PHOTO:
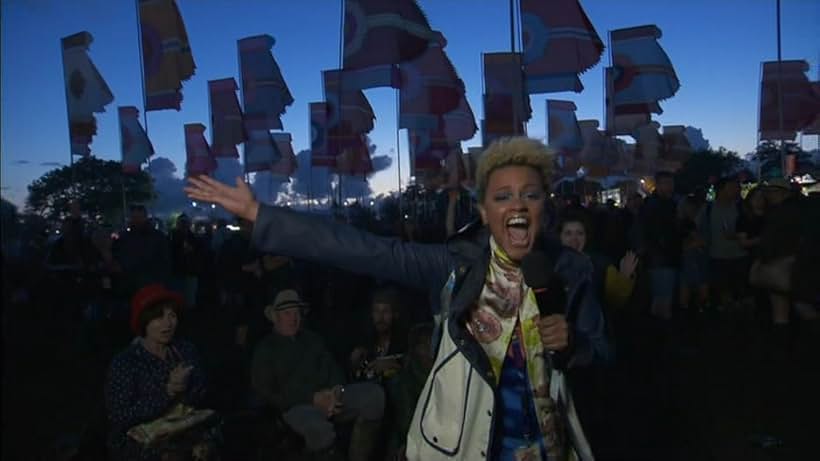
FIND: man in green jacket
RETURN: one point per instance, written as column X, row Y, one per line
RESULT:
column 293, row 371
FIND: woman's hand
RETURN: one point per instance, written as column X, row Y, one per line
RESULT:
column 238, row 200
column 178, row 380
column 554, row 332
column 628, row 264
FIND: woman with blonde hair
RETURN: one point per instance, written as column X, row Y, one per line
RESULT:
column 495, row 391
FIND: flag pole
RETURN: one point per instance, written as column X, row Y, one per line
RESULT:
column 512, row 50
column 248, row 139
column 339, row 85
column 68, row 116
column 398, row 149
column 142, row 69
column 780, row 97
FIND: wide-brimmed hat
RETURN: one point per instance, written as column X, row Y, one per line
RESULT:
column 151, row 295
column 285, row 299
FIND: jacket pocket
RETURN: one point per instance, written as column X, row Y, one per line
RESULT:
column 445, row 406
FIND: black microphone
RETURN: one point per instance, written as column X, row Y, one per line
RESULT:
column 549, row 293
column 546, row 285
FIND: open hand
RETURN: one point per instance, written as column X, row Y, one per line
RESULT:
column 628, row 264
column 238, row 200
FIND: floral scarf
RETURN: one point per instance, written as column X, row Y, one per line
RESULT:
column 506, row 303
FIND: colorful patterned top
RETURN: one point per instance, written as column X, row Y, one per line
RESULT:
column 505, row 314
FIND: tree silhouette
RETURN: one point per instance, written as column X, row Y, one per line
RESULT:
column 99, row 185
column 705, row 166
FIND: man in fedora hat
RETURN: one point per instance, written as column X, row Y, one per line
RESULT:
column 293, row 370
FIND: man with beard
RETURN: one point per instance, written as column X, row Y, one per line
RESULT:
column 380, row 356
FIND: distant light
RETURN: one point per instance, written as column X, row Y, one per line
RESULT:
column 213, row 205
column 643, row 181
column 232, row 227
column 372, row 203
column 193, row 204
column 57, row 231
column 128, row 229
column 406, row 216
column 552, row 195
column 288, row 203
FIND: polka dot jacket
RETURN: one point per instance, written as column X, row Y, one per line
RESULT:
column 135, row 392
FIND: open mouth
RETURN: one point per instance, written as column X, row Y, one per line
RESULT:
column 518, row 231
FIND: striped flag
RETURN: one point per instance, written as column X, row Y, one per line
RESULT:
column 564, row 134
column 261, row 152
column 265, row 95
column 85, row 90
column 227, row 129
column 642, row 71
column 135, row 146
column 801, row 100
column 286, row 165
column 199, row 159
column 559, row 43
column 430, row 88
column 383, row 33
column 167, row 60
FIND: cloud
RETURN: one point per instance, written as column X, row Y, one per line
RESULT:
column 170, row 195
column 20, row 162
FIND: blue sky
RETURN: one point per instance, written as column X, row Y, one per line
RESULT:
column 715, row 46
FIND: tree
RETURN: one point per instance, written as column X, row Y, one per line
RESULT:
column 99, row 185
column 705, row 166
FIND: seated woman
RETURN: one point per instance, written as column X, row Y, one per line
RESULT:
column 152, row 375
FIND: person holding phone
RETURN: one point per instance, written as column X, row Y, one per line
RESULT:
column 153, row 374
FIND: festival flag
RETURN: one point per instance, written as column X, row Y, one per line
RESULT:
column 649, row 142
column 261, row 152
column 379, row 33
column 459, row 124
column 135, row 146
column 676, row 145
column 286, row 165
column 265, row 95
column 430, row 88
column 801, row 101
column 319, row 153
column 814, row 127
column 454, row 166
column 427, row 151
column 559, row 43
column 642, row 71
column 227, row 129
column 600, row 152
column 506, row 106
column 85, row 90
column 564, row 134
column 353, row 157
column 346, row 106
column 199, row 159
column 166, row 53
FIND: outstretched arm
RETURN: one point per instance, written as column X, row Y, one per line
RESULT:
column 312, row 238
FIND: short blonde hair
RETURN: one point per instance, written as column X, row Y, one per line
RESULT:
column 515, row 151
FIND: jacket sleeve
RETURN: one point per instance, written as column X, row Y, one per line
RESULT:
column 312, row 238
column 589, row 342
column 617, row 287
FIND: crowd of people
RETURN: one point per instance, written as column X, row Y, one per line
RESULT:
column 333, row 331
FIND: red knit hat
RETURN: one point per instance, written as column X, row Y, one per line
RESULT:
column 148, row 296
